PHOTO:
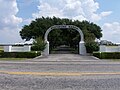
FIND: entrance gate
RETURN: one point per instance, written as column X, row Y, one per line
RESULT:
column 82, row 48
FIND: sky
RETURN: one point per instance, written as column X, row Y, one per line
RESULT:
column 14, row 14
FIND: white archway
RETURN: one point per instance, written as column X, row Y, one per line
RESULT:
column 82, row 48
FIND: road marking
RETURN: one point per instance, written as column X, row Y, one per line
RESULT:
column 60, row 73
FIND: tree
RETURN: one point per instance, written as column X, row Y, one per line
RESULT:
column 70, row 37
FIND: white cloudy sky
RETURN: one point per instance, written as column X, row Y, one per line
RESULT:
column 16, row 13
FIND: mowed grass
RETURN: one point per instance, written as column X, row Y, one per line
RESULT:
column 13, row 59
column 1, row 48
column 116, row 60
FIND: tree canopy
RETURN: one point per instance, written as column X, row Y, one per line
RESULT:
column 39, row 26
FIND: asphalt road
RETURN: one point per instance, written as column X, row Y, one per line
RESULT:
column 60, row 72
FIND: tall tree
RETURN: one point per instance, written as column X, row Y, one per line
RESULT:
column 38, row 27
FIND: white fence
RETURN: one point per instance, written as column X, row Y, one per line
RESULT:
column 104, row 48
column 25, row 48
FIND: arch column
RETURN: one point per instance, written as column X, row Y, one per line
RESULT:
column 46, row 50
column 82, row 48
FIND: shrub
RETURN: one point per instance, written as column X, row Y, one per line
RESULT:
column 107, row 55
column 38, row 44
column 92, row 46
column 19, row 54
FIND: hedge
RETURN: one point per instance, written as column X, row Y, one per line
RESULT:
column 19, row 54
column 92, row 46
column 107, row 55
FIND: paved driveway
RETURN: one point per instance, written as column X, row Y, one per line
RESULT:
column 65, row 57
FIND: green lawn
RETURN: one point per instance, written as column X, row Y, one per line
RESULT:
column 1, row 47
column 116, row 60
column 13, row 59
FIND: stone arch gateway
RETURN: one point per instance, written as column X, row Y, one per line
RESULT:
column 82, row 48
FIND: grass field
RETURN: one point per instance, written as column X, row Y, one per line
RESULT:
column 13, row 59
column 1, row 47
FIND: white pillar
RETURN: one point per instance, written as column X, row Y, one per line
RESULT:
column 46, row 50
column 7, row 48
column 82, row 48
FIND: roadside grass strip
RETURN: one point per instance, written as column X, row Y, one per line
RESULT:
column 14, row 59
